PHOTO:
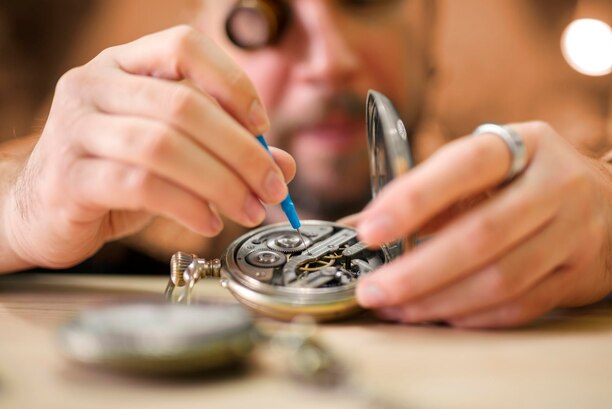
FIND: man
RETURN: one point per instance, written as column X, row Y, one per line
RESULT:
column 164, row 125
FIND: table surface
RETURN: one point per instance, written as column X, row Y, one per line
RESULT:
column 563, row 360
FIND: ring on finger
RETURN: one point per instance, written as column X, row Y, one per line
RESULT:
column 515, row 144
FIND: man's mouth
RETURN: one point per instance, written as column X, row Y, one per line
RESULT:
column 336, row 134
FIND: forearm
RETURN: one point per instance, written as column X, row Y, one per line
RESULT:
column 13, row 155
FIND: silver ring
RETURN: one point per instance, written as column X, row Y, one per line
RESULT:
column 515, row 144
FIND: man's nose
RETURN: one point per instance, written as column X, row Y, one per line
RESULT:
column 327, row 55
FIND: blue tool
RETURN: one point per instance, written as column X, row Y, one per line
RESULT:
column 287, row 203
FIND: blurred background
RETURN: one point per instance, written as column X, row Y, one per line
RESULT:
column 499, row 61
column 503, row 61
column 494, row 61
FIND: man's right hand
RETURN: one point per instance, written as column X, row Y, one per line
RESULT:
column 160, row 126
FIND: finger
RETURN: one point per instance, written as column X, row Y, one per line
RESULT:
column 539, row 300
column 100, row 185
column 456, row 210
column 191, row 113
column 461, row 169
column 285, row 162
column 507, row 278
column 160, row 149
column 465, row 245
column 351, row 220
column 184, row 53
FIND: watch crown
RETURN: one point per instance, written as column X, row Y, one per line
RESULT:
column 185, row 271
column 179, row 262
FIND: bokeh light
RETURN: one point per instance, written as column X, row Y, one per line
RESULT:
column 587, row 47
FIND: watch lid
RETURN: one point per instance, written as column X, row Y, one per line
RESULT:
column 389, row 152
column 389, row 147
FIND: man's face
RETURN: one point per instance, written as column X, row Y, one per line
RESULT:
column 314, row 83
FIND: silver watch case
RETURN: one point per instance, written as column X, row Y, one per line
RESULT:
column 267, row 292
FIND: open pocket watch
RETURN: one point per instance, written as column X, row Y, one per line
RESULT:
column 274, row 273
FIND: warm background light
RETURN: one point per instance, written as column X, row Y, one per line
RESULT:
column 587, row 46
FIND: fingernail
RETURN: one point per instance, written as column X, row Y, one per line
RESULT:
column 259, row 118
column 254, row 210
column 215, row 224
column 371, row 296
column 275, row 186
column 372, row 227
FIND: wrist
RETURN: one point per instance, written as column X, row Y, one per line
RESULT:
column 11, row 163
column 10, row 260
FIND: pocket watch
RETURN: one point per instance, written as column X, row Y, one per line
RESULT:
column 148, row 337
column 273, row 272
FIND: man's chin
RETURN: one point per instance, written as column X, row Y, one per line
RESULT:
column 329, row 202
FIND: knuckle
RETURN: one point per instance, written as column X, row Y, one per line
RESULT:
column 262, row 164
column 182, row 38
column 540, row 130
column 181, row 100
column 233, row 188
column 416, row 313
column 179, row 45
column 541, row 127
column 515, row 314
column 477, row 157
column 255, row 165
column 237, row 79
column 414, row 199
column 500, row 285
column 137, row 182
column 595, row 228
column 481, row 234
column 107, row 53
column 579, row 181
column 155, row 144
column 576, row 178
column 71, row 83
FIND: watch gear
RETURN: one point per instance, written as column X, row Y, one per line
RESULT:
column 266, row 258
column 289, row 242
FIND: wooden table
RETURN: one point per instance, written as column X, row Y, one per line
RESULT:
column 562, row 361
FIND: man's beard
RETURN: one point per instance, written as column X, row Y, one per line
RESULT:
column 323, row 208
column 316, row 111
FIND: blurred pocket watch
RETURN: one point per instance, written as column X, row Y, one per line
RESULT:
column 272, row 272
column 161, row 339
